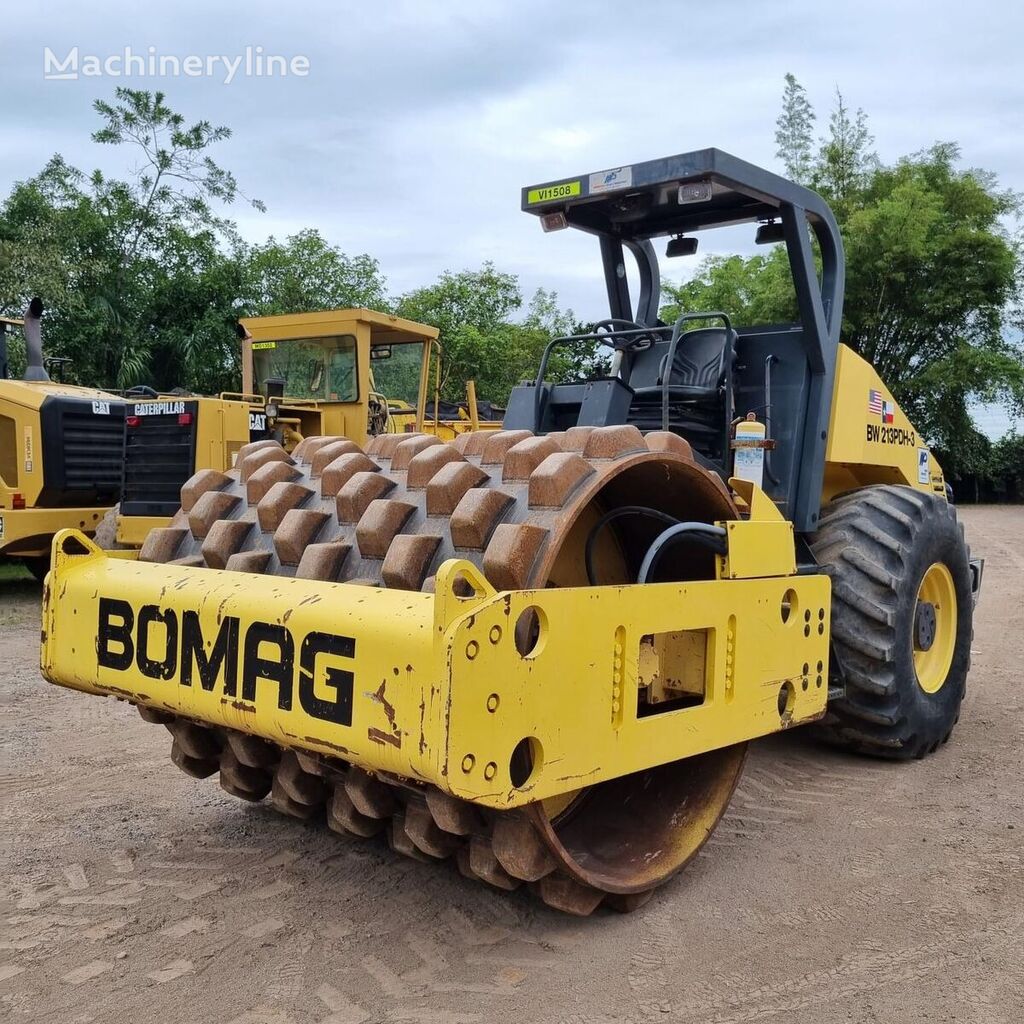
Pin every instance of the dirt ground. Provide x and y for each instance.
(836, 889)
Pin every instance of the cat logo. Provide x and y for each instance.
(101, 408)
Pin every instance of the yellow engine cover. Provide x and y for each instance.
(871, 441)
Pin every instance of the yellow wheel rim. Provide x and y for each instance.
(934, 641)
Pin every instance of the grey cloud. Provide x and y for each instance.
(418, 123)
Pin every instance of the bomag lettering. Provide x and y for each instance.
(244, 663)
(891, 435)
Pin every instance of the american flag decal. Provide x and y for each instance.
(875, 402)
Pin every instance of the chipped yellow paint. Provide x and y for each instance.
(438, 682)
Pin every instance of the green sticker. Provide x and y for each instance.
(552, 193)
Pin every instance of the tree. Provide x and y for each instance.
(753, 290)
(305, 272)
(794, 131)
(138, 274)
(845, 160)
(932, 277)
(474, 310)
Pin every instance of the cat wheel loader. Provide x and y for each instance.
(351, 372)
(542, 652)
(60, 453)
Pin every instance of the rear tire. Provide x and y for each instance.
(878, 545)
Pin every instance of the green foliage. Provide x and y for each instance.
(1005, 468)
(753, 290)
(137, 275)
(991, 471)
(474, 311)
(845, 160)
(305, 273)
(794, 131)
(933, 277)
(143, 279)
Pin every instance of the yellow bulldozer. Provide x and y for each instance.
(543, 651)
(352, 373)
(60, 452)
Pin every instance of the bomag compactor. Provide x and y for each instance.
(60, 453)
(542, 652)
(353, 373)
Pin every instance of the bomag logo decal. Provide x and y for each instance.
(164, 644)
(891, 435)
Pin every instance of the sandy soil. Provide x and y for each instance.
(836, 889)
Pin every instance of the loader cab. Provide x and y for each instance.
(346, 372)
(696, 376)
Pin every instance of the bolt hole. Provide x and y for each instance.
(495, 634)
(789, 605)
(461, 587)
(787, 697)
(492, 703)
(803, 684)
(530, 629)
(525, 761)
(807, 630)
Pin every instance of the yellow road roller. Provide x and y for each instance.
(542, 652)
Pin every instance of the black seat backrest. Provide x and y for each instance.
(699, 359)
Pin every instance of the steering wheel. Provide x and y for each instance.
(616, 329)
(141, 391)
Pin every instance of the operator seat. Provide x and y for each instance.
(696, 387)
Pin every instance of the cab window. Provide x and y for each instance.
(317, 368)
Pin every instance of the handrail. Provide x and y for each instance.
(629, 329)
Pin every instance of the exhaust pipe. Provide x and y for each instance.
(34, 369)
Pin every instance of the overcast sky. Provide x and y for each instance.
(417, 123)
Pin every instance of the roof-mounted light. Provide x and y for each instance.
(694, 192)
(554, 221)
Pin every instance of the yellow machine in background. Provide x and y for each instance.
(60, 453)
(543, 651)
(351, 373)
(354, 373)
